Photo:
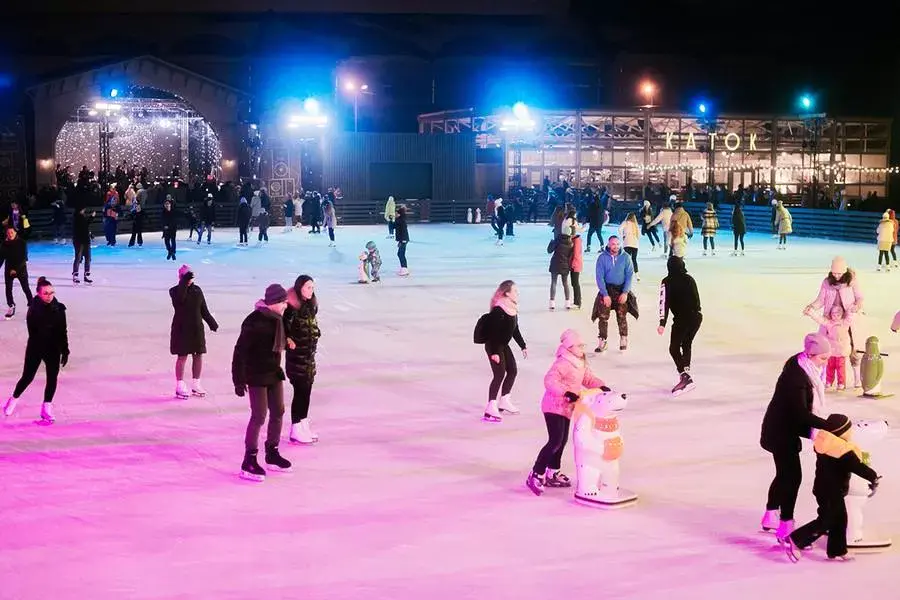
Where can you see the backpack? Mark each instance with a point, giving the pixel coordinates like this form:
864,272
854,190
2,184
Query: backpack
479,336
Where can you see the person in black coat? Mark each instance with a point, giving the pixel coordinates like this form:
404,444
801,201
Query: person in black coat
15,255
560,265
678,294
81,241
401,234
59,218
207,219
256,366
500,326
243,221
137,225
303,333
169,228
48,342
789,417
595,221
187,335
738,226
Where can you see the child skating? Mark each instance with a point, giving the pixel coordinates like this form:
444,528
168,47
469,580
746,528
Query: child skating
835,327
369,264
263,221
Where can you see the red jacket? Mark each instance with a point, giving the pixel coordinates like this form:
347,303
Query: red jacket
577,254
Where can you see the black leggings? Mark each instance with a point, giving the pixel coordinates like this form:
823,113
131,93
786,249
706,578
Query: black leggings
786,484
242,233
550,455
576,286
712,242
331,233
504,373
591,231
738,237
300,403
782,239
883,254
653,235
169,239
22,276
33,360
632,252
894,252
683,333
82,251
401,254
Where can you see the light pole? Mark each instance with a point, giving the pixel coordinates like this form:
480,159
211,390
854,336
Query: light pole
356,90
648,90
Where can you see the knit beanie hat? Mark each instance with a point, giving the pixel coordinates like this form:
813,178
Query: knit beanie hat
370,246
570,338
182,270
838,424
815,344
838,265
275,294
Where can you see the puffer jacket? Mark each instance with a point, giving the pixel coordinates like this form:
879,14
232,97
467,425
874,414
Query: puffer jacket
783,221
837,332
885,231
710,223
301,327
681,216
846,291
561,261
630,234
577,263
738,222
567,374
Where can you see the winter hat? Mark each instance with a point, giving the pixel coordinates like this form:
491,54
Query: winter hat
673,198
182,270
646,203
815,344
886,216
370,246
838,424
570,338
275,294
838,265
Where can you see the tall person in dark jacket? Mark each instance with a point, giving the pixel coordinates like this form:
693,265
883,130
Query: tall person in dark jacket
188,337
243,221
15,255
401,233
502,326
560,265
256,366
137,225
595,221
792,415
207,219
48,343
169,228
678,294
81,241
738,226
302,331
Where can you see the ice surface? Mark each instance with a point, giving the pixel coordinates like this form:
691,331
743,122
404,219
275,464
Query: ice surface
133,494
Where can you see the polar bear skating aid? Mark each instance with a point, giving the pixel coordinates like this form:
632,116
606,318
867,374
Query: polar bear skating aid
866,434
598,447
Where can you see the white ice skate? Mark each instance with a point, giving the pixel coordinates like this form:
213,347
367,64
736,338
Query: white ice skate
181,390
553,305
506,405
301,433
492,412
10,407
403,272
10,313
770,520
785,528
568,305
197,389
47,417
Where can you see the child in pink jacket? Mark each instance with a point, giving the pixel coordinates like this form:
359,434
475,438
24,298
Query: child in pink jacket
563,384
837,329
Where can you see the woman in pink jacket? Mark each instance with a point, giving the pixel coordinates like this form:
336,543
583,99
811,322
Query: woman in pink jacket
563,383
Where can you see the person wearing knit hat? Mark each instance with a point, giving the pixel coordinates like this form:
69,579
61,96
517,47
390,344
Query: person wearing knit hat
885,239
563,383
837,458
302,331
795,411
256,368
188,337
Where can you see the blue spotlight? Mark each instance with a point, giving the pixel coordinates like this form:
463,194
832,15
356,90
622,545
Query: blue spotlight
113,93
701,108
520,110
806,102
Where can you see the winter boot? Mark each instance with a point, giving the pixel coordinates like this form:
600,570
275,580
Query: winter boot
623,343
556,479
47,413
506,405
301,434
785,529
250,468
492,412
10,407
197,389
181,390
535,483
11,312
276,461
770,520
601,345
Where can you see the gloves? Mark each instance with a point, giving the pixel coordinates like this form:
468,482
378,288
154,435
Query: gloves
571,396
603,388
873,487
64,360
240,390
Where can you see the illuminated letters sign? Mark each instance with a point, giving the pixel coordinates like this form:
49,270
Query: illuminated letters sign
732,141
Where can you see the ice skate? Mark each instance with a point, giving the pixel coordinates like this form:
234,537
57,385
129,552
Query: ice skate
10,313
535,483
791,550
553,305
704,253
568,305
301,434
506,405
734,253
331,245
47,417
770,520
498,243
842,558
250,469
742,253
197,389
556,479
276,462
685,384
309,429
785,529
878,268
10,406
713,252
601,345
587,250
181,390
89,281
492,412
403,272
623,343
75,280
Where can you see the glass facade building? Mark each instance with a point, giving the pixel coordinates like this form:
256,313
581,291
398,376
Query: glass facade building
625,150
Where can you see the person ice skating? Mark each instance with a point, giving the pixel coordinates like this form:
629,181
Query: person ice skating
111,216
648,228
48,343
188,337
330,221
794,412
682,218
630,235
837,458
498,222
256,368
390,212
709,228
288,214
835,327
137,225
262,220
500,326
59,219
169,228
303,333
784,223
738,226
885,234
560,265
401,233
595,221
664,219
15,257
81,241
614,273
207,219
563,384
190,214
255,207
243,221
575,269
678,294
677,241
371,263
896,224
841,286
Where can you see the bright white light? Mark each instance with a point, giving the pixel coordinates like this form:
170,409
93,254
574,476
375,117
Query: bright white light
92,113
520,110
312,106
123,121
165,123
101,106
253,126
307,120
113,93
350,86
364,87
517,125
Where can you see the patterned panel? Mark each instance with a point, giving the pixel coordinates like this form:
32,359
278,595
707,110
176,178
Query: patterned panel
12,157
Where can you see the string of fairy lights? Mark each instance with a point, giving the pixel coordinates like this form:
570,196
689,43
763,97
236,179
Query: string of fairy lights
836,167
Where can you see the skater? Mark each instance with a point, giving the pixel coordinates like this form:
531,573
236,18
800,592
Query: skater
48,343
563,384
678,294
560,265
683,218
188,338
207,219
137,225
288,214
303,333
498,221
111,216
402,236
595,221
255,207
330,222
709,228
896,224
631,238
169,228
648,227
59,220
837,458
16,219
263,221
243,221
738,226
81,241
614,273
256,367
793,413
835,327
885,234
664,218
575,268
500,326
371,263
677,241
191,215
784,223
15,255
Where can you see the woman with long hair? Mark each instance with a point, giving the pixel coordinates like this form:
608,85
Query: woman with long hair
302,332
738,226
500,326
188,337
631,238
330,220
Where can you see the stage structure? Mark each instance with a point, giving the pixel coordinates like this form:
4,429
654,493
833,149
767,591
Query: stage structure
625,150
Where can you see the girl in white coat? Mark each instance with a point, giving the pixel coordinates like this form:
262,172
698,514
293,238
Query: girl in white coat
663,218
630,233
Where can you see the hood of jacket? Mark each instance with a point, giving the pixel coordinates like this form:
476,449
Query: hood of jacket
676,266
831,445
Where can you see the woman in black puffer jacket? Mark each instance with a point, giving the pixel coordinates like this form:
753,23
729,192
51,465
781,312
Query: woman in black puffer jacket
560,265
302,331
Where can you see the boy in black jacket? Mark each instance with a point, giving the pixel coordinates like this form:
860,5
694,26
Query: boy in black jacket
837,458
15,254
678,294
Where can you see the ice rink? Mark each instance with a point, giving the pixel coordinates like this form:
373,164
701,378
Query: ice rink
134,494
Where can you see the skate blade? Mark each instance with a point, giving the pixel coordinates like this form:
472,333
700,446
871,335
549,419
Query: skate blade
510,412
683,391
605,504
302,443
491,419
277,469
44,422
198,394
182,396
251,477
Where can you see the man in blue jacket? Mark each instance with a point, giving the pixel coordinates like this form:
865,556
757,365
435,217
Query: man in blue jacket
614,275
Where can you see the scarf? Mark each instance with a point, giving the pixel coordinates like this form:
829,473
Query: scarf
509,307
280,341
814,374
